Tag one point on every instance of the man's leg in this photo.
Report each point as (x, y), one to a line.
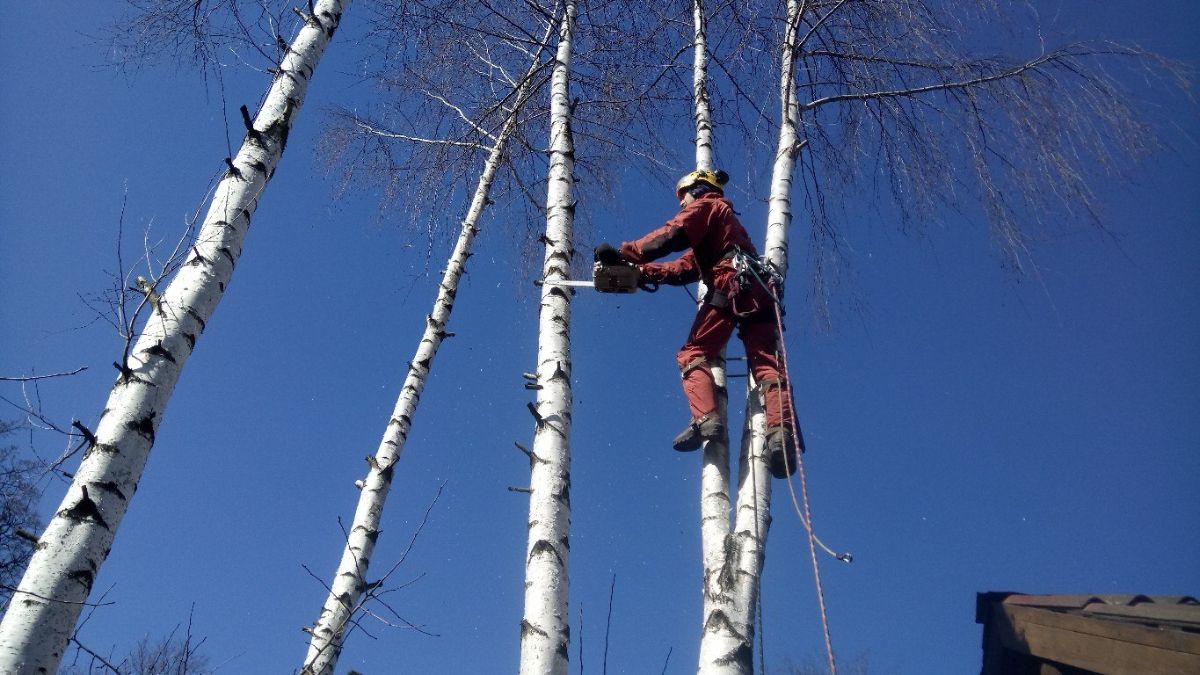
(762, 355)
(710, 331)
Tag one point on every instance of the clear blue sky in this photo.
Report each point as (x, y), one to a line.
(967, 433)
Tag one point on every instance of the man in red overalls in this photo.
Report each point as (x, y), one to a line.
(707, 229)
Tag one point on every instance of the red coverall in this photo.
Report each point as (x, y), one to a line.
(709, 228)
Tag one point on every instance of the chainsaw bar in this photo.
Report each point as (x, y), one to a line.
(565, 282)
(619, 278)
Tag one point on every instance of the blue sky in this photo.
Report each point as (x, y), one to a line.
(968, 432)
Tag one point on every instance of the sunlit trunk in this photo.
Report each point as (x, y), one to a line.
(732, 590)
(40, 620)
(545, 629)
(350, 579)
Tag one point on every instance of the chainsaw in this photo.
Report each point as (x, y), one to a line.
(622, 277)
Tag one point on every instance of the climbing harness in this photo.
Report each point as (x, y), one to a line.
(749, 270)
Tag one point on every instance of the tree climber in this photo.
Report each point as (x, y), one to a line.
(717, 252)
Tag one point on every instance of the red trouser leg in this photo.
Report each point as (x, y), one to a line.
(710, 331)
(762, 354)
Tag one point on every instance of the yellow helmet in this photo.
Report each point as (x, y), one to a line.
(715, 179)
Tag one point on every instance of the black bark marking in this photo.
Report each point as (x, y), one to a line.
(233, 171)
(197, 259)
(144, 427)
(542, 546)
(280, 128)
(84, 510)
(195, 315)
(127, 376)
(110, 486)
(558, 290)
(740, 654)
(334, 20)
(84, 578)
(191, 340)
(384, 473)
(224, 250)
(101, 447)
(160, 351)
(564, 496)
(528, 629)
(559, 373)
(719, 621)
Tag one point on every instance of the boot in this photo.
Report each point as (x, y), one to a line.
(781, 449)
(699, 431)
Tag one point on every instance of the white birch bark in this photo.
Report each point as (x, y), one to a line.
(545, 630)
(350, 579)
(702, 110)
(68, 556)
(732, 595)
(714, 469)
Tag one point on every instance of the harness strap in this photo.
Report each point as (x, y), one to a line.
(717, 298)
(694, 364)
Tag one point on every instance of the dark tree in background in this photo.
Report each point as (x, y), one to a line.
(18, 511)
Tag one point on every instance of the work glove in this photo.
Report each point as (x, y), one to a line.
(605, 254)
(652, 273)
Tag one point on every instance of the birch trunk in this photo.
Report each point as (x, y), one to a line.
(733, 593)
(714, 470)
(702, 110)
(350, 579)
(39, 622)
(545, 630)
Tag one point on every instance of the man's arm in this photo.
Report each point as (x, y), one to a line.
(675, 273)
(678, 234)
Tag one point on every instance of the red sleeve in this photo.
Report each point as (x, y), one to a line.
(680, 233)
(675, 273)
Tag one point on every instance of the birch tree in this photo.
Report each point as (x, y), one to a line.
(714, 469)
(56, 584)
(350, 579)
(545, 628)
(730, 625)
(733, 552)
(868, 88)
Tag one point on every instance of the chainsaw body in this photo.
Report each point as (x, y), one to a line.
(619, 278)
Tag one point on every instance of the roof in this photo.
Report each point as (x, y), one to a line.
(1144, 634)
